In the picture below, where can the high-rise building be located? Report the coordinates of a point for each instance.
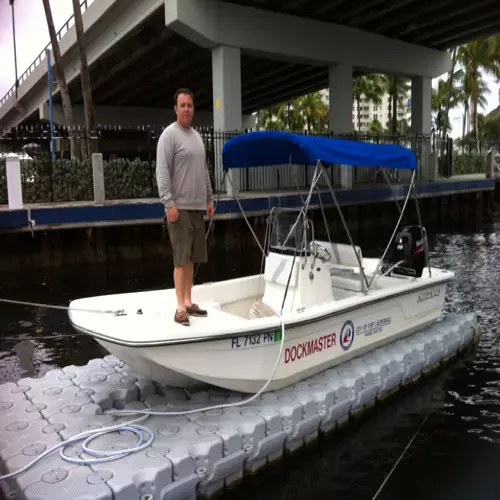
(369, 111)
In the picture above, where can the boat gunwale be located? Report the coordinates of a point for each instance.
(224, 336)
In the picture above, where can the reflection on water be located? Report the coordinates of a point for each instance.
(452, 457)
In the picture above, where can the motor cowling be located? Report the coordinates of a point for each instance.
(408, 252)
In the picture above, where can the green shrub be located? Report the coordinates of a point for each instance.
(129, 179)
(468, 163)
(65, 180)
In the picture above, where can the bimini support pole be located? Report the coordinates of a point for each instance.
(195, 274)
(337, 204)
(394, 232)
(305, 207)
(424, 233)
(235, 194)
(386, 177)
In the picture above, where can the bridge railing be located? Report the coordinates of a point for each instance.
(41, 57)
(129, 156)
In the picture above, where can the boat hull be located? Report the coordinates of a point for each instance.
(244, 363)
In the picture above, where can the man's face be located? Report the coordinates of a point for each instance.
(184, 110)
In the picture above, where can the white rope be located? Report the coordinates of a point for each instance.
(63, 308)
(107, 456)
(417, 432)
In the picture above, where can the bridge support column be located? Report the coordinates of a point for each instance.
(340, 110)
(226, 77)
(421, 105)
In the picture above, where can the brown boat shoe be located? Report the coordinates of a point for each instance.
(194, 310)
(182, 318)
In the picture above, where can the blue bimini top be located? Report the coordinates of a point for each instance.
(265, 148)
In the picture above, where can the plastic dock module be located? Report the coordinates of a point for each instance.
(203, 452)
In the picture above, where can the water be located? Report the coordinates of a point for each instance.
(453, 418)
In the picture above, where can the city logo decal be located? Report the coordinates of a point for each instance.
(347, 335)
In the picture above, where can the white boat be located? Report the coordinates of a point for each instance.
(315, 304)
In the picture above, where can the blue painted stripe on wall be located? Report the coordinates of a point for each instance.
(61, 215)
(130, 211)
(13, 218)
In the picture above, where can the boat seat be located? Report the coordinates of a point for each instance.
(342, 254)
(346, 278)
(260, 310)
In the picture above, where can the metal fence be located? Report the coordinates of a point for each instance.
(129, 156)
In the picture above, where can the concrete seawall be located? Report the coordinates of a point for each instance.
(87, 243)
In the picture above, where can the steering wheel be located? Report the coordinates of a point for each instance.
(320, 252)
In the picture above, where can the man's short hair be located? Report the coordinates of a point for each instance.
(182, 91)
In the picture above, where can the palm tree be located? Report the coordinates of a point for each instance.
(465, 96)
(376, 127)
(479, 55)
(442, 101)
(451, 78)
(284, 116)
(370, 86)
(61, 78)
(290, 116)
(314, 110)
(398, 89)
(266, 118)
(84, 76)
(489, 127)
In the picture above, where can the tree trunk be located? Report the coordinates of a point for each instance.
(61, 79)
(389, 114)
(358, 100)
(450, 89)
(448, 97)
(474, 100)
(84, 76)
(394, 106)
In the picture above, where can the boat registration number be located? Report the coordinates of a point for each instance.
(429, 295)
(255, 339)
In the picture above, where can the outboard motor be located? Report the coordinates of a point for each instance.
(407, 253)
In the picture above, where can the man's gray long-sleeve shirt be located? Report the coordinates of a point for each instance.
(181, 170)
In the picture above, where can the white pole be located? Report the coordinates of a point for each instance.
(14, 186)
(98, 177)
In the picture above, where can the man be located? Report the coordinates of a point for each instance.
(185, 191)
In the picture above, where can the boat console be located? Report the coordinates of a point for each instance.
(301, 271)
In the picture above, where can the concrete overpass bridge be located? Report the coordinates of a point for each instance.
(239, 56)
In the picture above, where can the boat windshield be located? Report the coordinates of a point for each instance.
(287, 233)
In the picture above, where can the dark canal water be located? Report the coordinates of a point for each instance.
(455, 454)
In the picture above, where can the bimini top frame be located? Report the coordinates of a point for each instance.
(270, 148)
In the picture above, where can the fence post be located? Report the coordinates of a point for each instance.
(346, 177)
(433, 166)
(490, 164)
(14, 185)
(98, 175)
(449, 157)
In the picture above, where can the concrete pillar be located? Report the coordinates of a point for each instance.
(14, 185)
(98, 176)
(340, 98)
(421, 105)
(340, 110)
(226, 82)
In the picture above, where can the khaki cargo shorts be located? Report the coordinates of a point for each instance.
(187, 235)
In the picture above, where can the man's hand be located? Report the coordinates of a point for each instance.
(172, 214)
(210, 210)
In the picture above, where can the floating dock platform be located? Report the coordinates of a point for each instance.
(202, 453)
